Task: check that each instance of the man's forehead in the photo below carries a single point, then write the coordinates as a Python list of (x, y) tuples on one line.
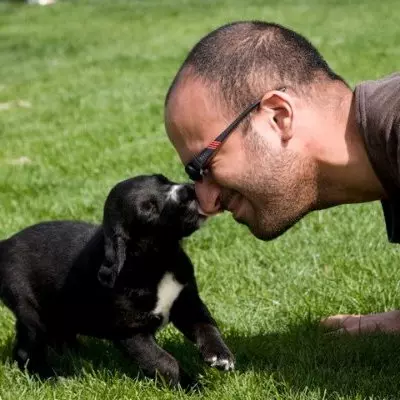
[(192, 118)]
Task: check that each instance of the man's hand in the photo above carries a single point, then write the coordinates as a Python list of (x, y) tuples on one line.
[(386, 322)]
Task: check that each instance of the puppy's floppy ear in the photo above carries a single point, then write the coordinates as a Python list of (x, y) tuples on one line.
[(116, 216), (114, 259)]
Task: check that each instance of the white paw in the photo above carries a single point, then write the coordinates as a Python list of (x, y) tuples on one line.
[(221, 363)]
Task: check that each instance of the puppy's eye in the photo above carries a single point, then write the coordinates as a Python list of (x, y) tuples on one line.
[(149, 206)]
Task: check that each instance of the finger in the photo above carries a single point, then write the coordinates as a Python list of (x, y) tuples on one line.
[(336, 332), (339, 321)]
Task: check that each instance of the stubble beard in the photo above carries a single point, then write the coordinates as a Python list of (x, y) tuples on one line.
[(280, 191)]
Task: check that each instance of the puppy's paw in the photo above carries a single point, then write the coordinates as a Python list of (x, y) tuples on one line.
[(225, 363), (217, 355), (175, 378), (186, 381), (45, 372), (213, 348)]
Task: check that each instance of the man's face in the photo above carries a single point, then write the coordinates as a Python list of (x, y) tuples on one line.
[(259, 175)]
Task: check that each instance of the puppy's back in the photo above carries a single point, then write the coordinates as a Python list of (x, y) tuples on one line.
[(40, 256)]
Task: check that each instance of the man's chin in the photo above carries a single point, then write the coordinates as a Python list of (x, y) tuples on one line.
[(264, 234), (266, 228)]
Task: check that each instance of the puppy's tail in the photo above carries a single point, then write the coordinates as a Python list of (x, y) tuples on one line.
[(4, 254), (2, 249)]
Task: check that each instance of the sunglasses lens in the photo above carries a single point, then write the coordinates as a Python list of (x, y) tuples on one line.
[(193, 173)]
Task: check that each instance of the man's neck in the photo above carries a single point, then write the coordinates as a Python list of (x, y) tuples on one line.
[(345, 174)]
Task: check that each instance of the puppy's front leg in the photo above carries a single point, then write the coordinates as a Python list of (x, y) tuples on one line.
[(152, 359), (191, 316)]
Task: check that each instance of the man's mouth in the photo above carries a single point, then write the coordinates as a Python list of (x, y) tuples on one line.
[(204, 213), (233, 203), (201, 211)]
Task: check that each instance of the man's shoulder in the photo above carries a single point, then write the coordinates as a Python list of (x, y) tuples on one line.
[(393, 78), (377, 104)]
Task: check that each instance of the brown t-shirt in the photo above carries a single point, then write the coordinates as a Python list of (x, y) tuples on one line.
[(378, 117)]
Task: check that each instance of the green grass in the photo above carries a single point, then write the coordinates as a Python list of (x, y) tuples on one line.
[(82, 86)]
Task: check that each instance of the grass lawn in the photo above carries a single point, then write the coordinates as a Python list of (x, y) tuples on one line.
[(82, 86)]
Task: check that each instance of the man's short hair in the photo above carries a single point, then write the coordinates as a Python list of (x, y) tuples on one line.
[(242, 60)]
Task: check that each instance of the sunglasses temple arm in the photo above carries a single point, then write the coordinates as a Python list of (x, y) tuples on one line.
[(201, 160), (223, 135)]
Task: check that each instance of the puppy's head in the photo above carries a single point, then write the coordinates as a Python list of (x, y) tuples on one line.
[(145, 207), (153, 205)]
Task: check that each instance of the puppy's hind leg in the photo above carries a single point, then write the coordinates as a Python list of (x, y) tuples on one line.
[(65, 342), (153, 360), (30, 349)]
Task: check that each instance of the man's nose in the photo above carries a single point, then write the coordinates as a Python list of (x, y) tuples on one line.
[(208, 195)]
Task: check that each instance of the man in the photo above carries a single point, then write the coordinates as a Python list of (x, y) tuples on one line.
[(303, 140)]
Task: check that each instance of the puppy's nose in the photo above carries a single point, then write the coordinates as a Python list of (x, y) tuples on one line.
[(187, 193)]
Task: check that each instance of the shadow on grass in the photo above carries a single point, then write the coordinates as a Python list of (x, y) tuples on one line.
[(304, 358), (101, 358), (92, 356), (300, 358)]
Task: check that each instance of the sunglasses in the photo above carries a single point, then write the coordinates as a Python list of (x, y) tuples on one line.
[(196, 168)]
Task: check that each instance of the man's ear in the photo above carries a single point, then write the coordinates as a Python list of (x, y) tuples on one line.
[(114, 259), (279, 107)]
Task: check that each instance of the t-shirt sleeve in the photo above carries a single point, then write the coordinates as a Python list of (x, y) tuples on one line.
[(378, 117)]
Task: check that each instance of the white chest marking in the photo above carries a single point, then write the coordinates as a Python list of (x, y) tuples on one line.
[(167, 292)]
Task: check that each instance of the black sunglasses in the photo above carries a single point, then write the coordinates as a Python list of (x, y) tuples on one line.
[(197, 166)]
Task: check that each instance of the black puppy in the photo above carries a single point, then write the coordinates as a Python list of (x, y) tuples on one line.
[(119, 281)]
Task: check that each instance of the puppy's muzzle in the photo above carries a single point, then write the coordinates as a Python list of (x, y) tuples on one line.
[(182, 193), (183, 197)]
